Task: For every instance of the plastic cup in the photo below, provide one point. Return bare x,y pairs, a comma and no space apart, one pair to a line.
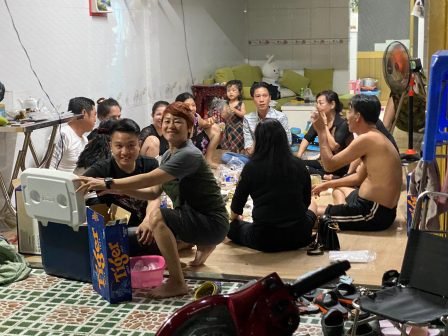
315,179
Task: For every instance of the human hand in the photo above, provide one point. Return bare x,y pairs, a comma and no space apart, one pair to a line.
324,117
318,122
235,216
144,233
318,188
89,183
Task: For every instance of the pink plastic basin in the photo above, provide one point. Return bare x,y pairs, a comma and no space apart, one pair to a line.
148,278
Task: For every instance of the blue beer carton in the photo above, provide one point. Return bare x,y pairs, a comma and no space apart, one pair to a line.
109,252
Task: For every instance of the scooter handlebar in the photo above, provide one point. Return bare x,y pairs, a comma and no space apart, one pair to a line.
315,279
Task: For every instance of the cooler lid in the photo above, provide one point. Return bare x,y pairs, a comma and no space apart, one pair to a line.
50,196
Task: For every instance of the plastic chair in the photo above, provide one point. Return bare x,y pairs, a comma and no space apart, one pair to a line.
421,294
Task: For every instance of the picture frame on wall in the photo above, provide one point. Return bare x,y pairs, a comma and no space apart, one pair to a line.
100,7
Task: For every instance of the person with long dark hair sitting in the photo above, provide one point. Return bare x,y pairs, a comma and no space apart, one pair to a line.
339,136
280,186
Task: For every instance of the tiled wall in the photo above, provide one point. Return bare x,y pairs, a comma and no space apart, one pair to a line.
315,33
382,20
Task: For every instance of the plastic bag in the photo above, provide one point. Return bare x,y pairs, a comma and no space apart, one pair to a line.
227,176
235,164
361,256
308,95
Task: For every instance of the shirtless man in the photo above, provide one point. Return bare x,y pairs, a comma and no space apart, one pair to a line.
372,207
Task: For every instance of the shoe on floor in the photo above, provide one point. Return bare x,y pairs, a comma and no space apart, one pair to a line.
367,329
329,300
333,323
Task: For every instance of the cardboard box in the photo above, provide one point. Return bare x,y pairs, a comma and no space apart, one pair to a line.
27,227
109,252
411,201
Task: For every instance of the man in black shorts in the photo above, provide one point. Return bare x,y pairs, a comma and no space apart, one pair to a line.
373,206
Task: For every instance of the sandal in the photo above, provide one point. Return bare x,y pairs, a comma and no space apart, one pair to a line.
315,249
361,315
390,278
206,289
346,293
306,307
311,295
332,323
364,329
329,300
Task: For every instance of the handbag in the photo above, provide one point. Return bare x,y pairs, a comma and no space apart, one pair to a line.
326,237
327,234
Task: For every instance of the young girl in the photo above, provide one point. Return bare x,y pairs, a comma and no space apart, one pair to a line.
233,139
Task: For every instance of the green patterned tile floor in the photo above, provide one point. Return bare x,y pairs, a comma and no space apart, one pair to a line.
43,305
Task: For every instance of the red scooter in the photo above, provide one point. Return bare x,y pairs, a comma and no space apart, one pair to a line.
264,308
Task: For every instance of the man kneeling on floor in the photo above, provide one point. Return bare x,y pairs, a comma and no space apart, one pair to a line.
373,206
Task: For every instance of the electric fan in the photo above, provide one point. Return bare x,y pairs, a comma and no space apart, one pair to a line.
400,73
2,91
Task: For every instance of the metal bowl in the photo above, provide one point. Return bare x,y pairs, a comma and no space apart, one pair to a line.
370,82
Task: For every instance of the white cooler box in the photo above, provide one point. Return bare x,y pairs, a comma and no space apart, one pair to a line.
50,197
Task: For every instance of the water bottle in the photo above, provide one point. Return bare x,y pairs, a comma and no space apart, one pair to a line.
358,87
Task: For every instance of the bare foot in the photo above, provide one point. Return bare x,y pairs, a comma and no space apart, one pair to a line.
202,253
168,289
181,245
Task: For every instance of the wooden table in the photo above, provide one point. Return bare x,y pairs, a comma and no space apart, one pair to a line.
27,129
203,95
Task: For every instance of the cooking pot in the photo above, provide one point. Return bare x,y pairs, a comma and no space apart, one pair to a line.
369,82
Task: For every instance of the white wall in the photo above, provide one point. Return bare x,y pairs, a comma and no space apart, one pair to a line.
136,54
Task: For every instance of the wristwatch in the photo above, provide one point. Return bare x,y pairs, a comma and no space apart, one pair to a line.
108,182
